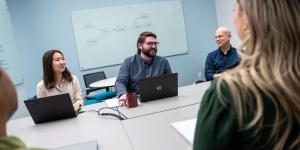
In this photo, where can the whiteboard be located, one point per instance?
(106, 36)
(8, 52)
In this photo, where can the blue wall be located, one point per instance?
(41, 25)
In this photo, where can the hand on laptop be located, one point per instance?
(76, 106)
(217, 75)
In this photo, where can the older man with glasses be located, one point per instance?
(144, 64)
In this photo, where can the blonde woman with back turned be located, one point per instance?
(257, 104)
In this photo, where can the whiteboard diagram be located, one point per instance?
(140, 24)
(106, 36)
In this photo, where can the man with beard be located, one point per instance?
(144, 64)
(225, 57)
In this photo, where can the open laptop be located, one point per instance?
(50, 108)
(158, 87)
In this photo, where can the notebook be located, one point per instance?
(186, 129)
(88, 145)
(50, 108)
(158, 87)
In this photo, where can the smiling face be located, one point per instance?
(58, 63)
(222, 37)
(149, 47)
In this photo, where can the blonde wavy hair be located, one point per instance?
(270, 66)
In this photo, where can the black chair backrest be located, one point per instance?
(93, 77)
(199, 81)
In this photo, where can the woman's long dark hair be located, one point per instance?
(49, 79)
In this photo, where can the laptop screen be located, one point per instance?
(158, 87)
(50, 108)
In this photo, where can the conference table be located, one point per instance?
(108, 132)
(148, 125)
(187, 95)
(154, 132)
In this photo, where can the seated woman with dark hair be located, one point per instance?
(57, 79)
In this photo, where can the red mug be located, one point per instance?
(131, 100)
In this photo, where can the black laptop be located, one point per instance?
(51, 108)
(158, 87)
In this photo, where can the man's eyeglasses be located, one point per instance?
(152, 43)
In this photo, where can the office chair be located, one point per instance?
(91, 78)
(199, 81)
(33, 97)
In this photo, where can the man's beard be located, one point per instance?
(149, 53)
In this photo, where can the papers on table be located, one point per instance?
(114, 102)
(186, 129)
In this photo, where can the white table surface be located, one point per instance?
(155, 132)
(109, 82)
(149, 128)
(108, 132)
(187, 95)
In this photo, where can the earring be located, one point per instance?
(246, 30)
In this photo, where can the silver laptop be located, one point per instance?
(158, 87)
(51, 108)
